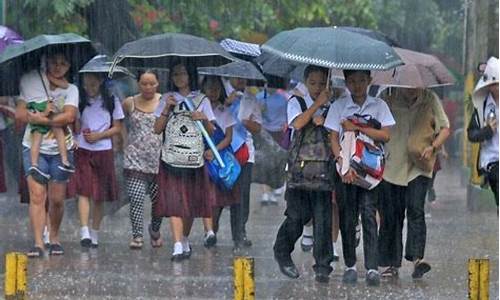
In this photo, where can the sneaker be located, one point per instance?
(420, 268)
(46, 238)
(246, 243)
(273, 200)
(85, 243)
(38, 175)
(66, 168)
(186, 248)
(178, 254)
(265, 199)
(94, 237)
(350, 276)
(306, 242)
(210, 239)
(372, 278)
(322, 278)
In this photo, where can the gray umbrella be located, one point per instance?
(240, 69)
(328, 47)
(163, 50)
(101, 64)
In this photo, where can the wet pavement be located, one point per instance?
(114, 272)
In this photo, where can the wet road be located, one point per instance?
(115, 272)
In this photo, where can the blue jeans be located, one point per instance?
(48, 164)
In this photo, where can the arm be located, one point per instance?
(475, 134)
(252, 126)
(334, 142)
(301, 120)
(443, 134)
(227, 139)
(378, 135)
(93, 137)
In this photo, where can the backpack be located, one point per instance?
(183, 142)
(368, 157)
(310, 159)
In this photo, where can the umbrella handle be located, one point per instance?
(205, 134)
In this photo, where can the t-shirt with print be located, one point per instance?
(205, 107)
(31, 88)
(96, 118)
(345, 107)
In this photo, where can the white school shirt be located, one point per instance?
(223, 117)
(345, 107)
(31, 90)
(489, 148)
(97, 118)
(250, 109)
(205, 107)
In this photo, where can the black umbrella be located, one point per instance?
(21, 58)
(166, 49)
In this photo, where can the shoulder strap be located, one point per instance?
(302, 102)
(45, 87)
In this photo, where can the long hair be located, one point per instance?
(192, 74)
(108, 100)
(214, 80)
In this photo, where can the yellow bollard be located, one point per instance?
(473, 279)
(238, 278)
(10, 275)
(22, 263)
(484, 279)
(248, 278)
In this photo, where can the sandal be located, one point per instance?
(35, 252)
(390, 272)
(155, 238)
(56, 249)
(136, 243)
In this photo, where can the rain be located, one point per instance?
(349, 149)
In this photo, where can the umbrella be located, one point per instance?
(163, 50)
(20, 58)
(101, 64)
(243, 50)
(240, 69)
(372, 34)
(8, 37)
(419, 71)
(328, 47)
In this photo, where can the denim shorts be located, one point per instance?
(48, 164)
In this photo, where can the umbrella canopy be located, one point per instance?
(379, 36)
(8, 37)
(101, 64)
(20, 58)
(243, 50)
(419, 71)
(240, 69)
(163, 50)
(328, 47)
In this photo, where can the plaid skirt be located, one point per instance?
(94, 175)
(186, 193)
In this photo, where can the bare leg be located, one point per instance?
(208, 224)
(57, 194)
(36, 141)
(96, 214)
(61, 144)
(188, 223)
(177, 228)
(83, 210)
(38, 196)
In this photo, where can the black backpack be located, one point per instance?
(310, 160)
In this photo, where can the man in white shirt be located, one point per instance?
(354, 200)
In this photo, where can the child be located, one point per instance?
(350, 197)
(39, 100)
(100, 119)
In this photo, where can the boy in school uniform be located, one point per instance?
(354, 200)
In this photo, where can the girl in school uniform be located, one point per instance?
(100, 119)
(141, 158)
(194, 192)
(212, 87)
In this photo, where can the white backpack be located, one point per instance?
(183, 145)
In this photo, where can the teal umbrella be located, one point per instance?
(20, 58)
(328, 47)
